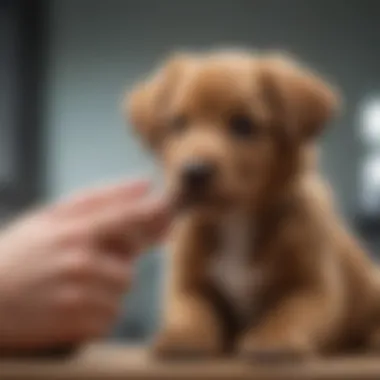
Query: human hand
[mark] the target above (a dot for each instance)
(64, 268)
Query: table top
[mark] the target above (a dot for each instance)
(123, 362)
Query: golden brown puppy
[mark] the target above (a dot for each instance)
(260, 262)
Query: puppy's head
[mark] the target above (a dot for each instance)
(229, 128)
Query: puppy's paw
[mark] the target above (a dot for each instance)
(178, 344)
(274, 351)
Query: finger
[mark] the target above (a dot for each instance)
(102, 197)
(132, 223)
(142, 228)
(134, 238)
(88, 312)
(99, 268)
(95, 325)
(144, 235)
(114, 274)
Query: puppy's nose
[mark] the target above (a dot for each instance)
(197, 174)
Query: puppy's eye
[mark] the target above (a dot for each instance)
(178, 124)
(242, 126)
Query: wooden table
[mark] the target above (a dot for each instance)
(121, 362)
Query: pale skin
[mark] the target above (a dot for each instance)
(65, 268)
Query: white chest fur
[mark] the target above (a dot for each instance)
(232, 267)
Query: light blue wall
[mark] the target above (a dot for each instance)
(99, 47)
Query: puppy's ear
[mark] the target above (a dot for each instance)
(299, 97)
(144, 106)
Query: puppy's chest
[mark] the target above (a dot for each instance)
(232, 267)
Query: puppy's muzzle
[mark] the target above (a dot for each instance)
(200, 185)
(197, 176)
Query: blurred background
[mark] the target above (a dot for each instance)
(64, 65)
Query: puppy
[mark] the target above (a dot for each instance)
(260, 262)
